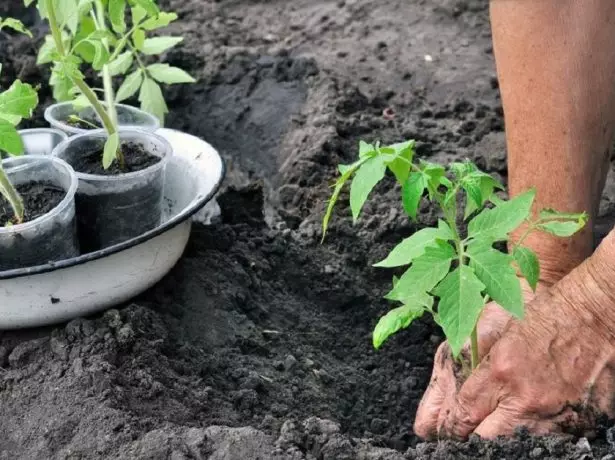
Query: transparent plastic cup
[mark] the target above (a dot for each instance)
(127, 117)
(115, 208)
(41, 141)
(51, 237)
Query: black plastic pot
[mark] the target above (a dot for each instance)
(114, 208)
(52, 236)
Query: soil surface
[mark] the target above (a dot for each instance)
(38, 199)
(136, 158)
(257, 344)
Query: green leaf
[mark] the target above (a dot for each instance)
(164, 73)
(552, 214)
(494, 269)
(67, 14)
(462, 169)
(444, 231)
(410, 248)
(496, 223)
(121, 64)
(110, 151)
(461, 303)
(425, 273)
(527, 260)
(101, 55)
(434, 174)
(366, 149)
(149, 6)
(18, 101)
(411, 192)
(368, 175)
(561, 228)
(487, 185)
(84, 7)
(152, 100)
(47, 52)
(10, 140)
(474, 193)
(138, 38)
(162, 20)
(347, 171)
(399, 318)
(130, 86)
(138, 14)
(117, 10)
(400, 165)
(16, 25)
(157, 45)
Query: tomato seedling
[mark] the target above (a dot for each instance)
(16, 103)
(462, 271)
(96, 32)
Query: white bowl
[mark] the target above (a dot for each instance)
(83, 285)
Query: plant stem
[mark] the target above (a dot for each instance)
(99, 20)
(11, 194)
(474, 347)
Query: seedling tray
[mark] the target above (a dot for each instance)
(60, 291)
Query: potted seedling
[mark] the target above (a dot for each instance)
(37, 208)
(120, 169)
(452, 274)
(96, 33)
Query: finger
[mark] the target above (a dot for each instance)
(441, 384)
(475, 401)
(503, 422)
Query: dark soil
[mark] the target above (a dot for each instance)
(38, 198)
(136, 158)
(257, 344)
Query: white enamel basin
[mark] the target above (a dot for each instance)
(64, 290)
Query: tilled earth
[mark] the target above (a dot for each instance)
(257, 344)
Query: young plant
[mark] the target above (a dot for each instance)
(452, 275)
(95, 32)
(16, 103)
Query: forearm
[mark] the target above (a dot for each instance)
(557, 79)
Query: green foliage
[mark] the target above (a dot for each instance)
(111, 36)
(16, 103)
(450, 275)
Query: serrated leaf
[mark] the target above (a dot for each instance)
(487, 186)
(367, 176)
(110, 150)
(411, 192)
(121, 64)
(67, 14)
(471, 185)
(425, 273)
(101, 55)
(164, 73)
(401, 164)
(462, 169)
(347, 171)
(528, 264)
(496, 223)
(561, 228)
(130, 86)
(10, 140)
(16, 25)
(157, 45)
(410, 248)
(434, 174)
(117, 10)
(152, 100)
(461, 303)
(162, 20)
(399, 318)
(138, 14)
(19, 100)
(493, 268)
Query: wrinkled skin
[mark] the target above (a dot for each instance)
(553, 371)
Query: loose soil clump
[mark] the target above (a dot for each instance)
(257, 344)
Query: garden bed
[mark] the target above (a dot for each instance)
(257, 345)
